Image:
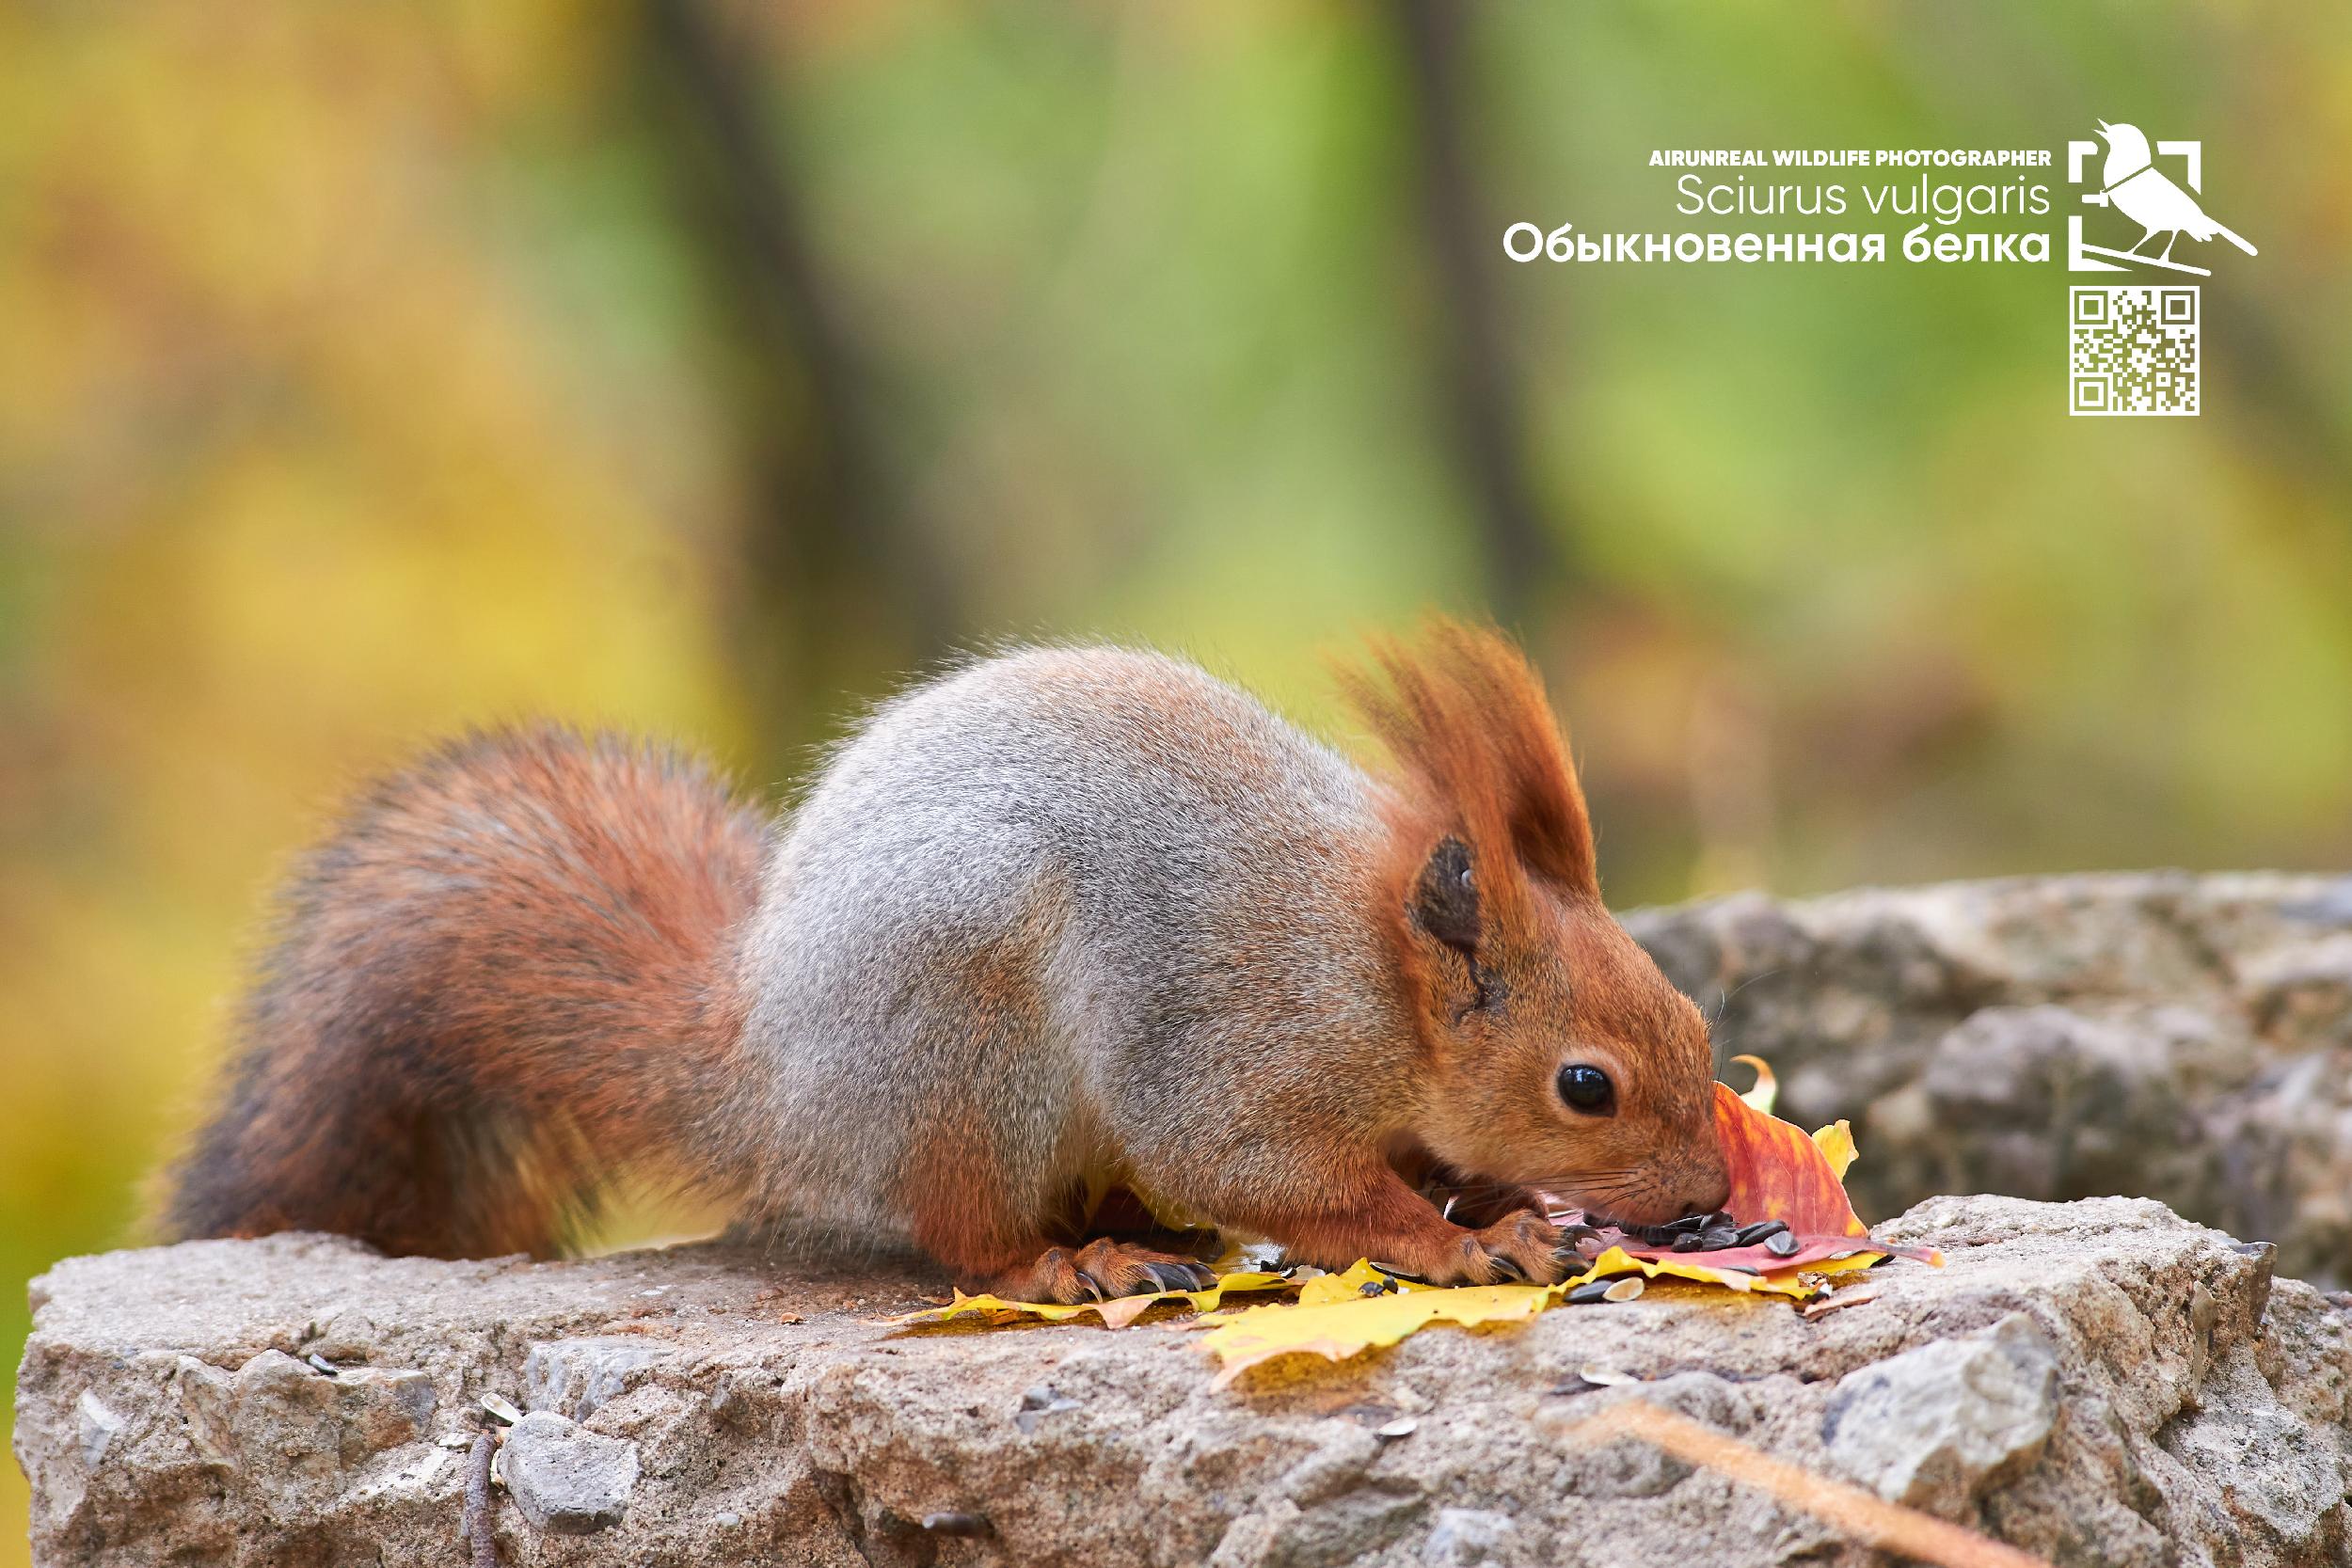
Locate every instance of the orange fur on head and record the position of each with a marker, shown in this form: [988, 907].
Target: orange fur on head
[1465, 717]
[1513, 969]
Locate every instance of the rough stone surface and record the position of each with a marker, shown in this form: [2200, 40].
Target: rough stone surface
[572, 1377]
[2198, 1413]
[566, 1479]
[2182, 1037]
[1932, 1426]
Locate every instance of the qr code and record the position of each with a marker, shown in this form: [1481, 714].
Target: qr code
[2132, 351]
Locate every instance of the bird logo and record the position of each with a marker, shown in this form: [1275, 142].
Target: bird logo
[2131, 183]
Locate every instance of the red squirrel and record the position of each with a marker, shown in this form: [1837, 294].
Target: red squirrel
[1063, 922]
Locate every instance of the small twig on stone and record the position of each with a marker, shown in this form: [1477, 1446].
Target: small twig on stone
[1871, 1520]
[479, 1538]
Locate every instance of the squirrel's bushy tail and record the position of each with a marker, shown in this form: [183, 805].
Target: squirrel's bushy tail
[504, 978]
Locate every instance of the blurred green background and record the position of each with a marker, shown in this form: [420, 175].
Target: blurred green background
[374, 370]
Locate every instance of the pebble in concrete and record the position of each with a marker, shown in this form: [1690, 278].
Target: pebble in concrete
[568, 1480]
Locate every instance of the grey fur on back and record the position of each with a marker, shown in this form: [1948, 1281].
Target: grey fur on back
[1063, 902]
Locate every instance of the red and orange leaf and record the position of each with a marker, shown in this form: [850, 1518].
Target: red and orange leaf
[1779, 1173]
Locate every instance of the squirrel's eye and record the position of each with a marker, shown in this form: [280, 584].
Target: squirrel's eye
[1587, 1089]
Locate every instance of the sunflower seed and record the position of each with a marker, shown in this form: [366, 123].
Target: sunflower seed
[1784, 1244]
[1597, 1290]
[1761, 1231]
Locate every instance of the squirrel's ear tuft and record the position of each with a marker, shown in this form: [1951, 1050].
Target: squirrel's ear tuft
[1445, 897]
[1464, 715]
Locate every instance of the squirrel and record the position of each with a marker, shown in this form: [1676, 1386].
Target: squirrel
[1066, 924]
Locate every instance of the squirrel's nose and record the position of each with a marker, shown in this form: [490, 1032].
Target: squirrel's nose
[1713, 1197]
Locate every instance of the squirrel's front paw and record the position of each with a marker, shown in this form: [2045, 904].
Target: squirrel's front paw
[1519, 1247]
[1100, 1269]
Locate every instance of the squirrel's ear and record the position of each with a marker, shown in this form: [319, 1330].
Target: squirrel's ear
[1445, 897]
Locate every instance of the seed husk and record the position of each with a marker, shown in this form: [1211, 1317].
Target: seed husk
[1624, 1290]
[954, 1522]
[1604, 1377]
[1843, 1298]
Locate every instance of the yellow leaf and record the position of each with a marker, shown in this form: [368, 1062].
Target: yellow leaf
[1336, 1329]
[1326, 1288]
[1335, 1320]
[1116, 1313]
[1686, 1266]
[1836, 1145]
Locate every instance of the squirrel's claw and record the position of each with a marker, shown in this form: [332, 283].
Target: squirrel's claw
[1180, 1277]
[1102, 1269]
[1524, 1248]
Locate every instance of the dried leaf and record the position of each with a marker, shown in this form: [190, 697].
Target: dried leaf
[1336, 1329]
[1778, 1173]
[1767, 1088]
[1351, 1282]
[1116, 1313]
[1835, 1141]
[1699, 1267]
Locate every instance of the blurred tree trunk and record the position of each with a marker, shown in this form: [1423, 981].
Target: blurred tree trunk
[1484, 415]
[839, 589]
